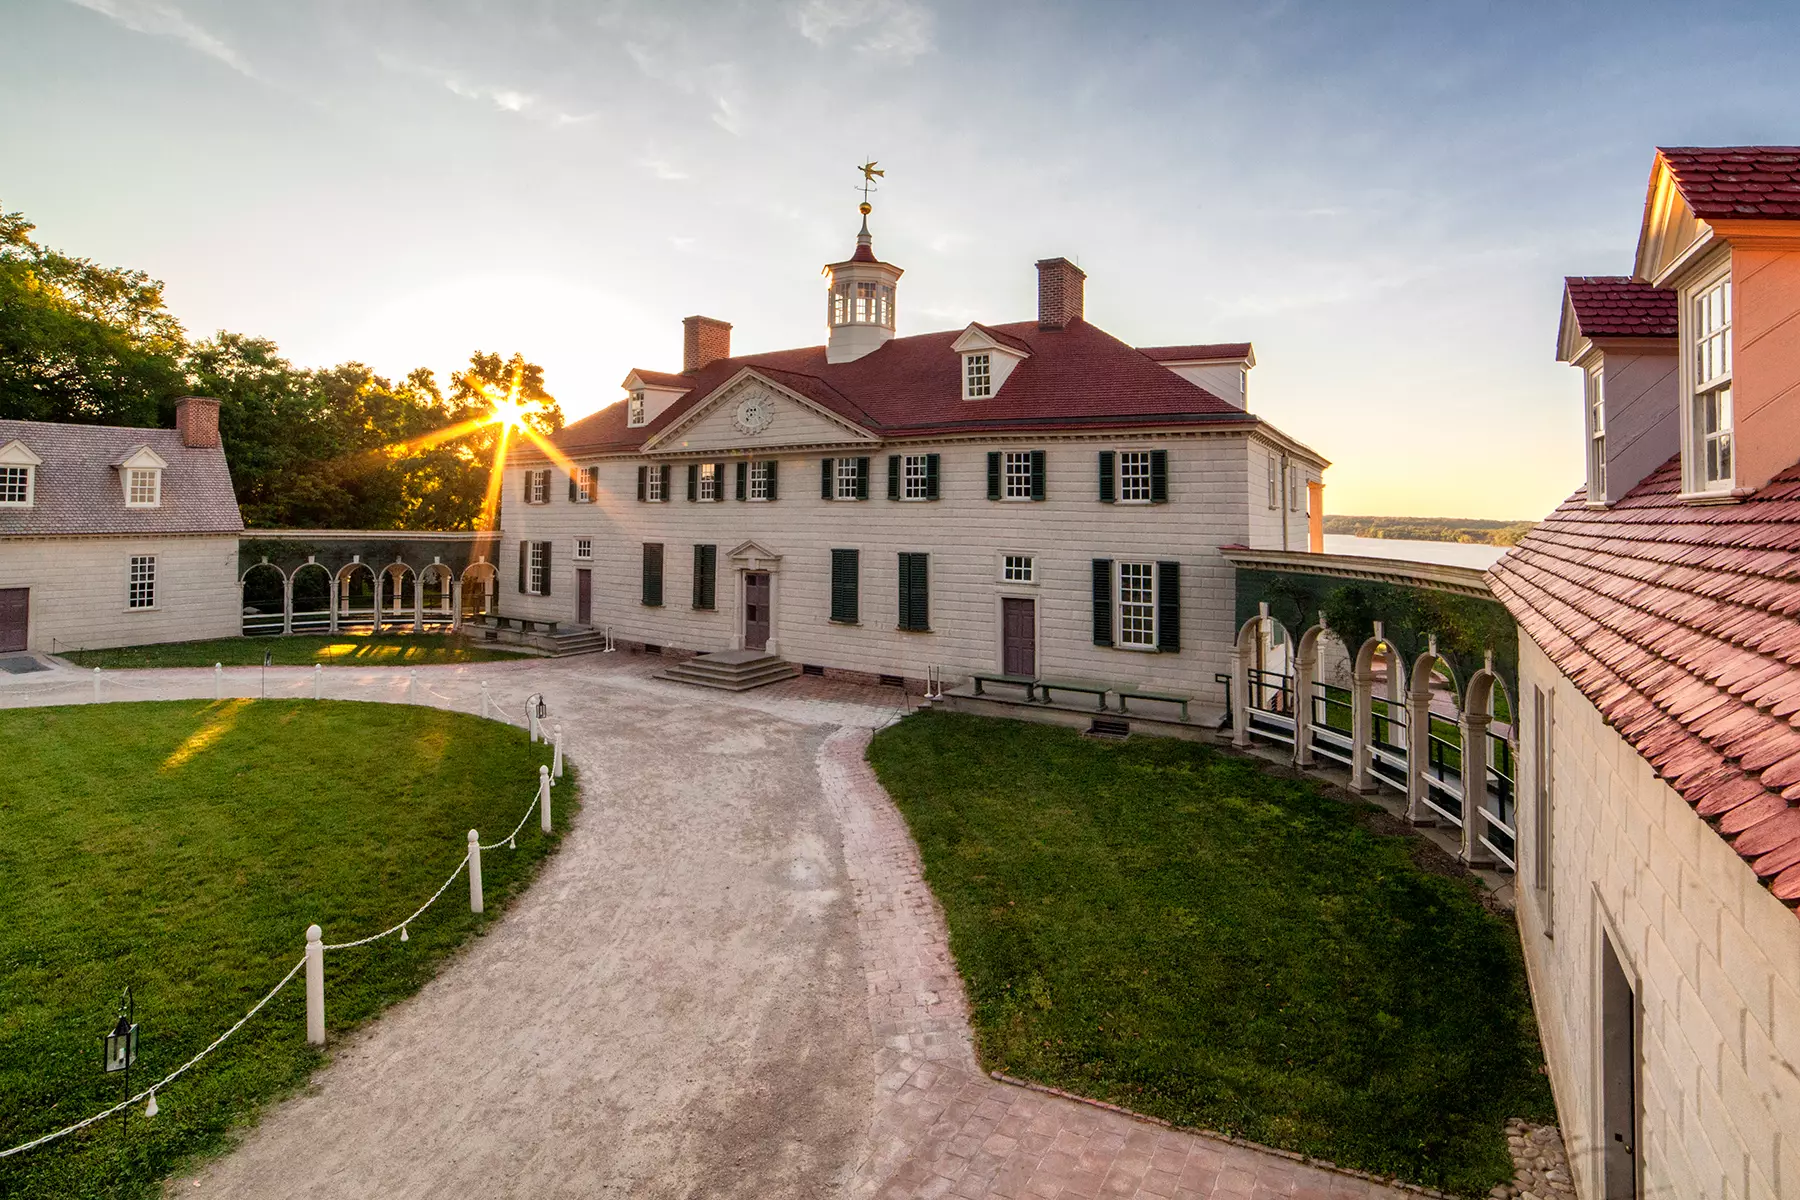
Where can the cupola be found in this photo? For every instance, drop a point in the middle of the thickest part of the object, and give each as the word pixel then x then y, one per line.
pixel 860 300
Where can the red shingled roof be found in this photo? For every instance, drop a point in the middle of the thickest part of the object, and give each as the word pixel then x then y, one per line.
pixel 1078 377
pixel 1679 624
pixel 1191 353
pixel 1737 181
pixel 1619 306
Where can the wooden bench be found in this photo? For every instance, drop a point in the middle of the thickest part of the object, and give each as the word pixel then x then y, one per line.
pixel 1028 682
pixel 1163 697
pixel 1096 690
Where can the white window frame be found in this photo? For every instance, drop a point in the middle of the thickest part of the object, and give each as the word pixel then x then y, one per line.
pixel 978 375
pixel 1134 465
pixel 584 549
pixel 133 477
pixel 634 410
pixel 140 583
pixel 1018 569
pixel 709 481
pixel 30 491
pixel 1706 373
pixel 1274 487
pixel 587 482
pixel 845 474
pixel 758 488
pixel 1594 397
pixel 1015 475
pixel 540 486
pixel 653 488
pixel 1136 616
pixel 534 568
pixel 915 477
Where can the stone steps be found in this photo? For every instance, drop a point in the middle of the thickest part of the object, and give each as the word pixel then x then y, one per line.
pixel 732 670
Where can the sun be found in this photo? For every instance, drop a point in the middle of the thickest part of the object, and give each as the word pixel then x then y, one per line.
pixel 504 410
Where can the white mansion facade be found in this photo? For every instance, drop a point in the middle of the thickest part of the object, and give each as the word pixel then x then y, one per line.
pixel 1036 498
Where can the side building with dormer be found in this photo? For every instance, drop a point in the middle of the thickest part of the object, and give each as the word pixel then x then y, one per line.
pixel 1034 498
pixel 115 536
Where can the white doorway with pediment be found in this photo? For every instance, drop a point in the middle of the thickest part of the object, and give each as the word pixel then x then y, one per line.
pixel 758 573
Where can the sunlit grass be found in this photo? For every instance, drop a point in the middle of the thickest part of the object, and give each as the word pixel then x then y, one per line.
pixel 300 650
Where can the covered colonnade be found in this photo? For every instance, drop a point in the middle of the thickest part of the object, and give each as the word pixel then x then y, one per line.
pixel 335 580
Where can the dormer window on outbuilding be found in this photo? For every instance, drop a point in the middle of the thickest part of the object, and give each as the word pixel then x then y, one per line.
pixel 140 477
pixel 1710 414
pixel 18 475
pixel 634 411
pixel 978 376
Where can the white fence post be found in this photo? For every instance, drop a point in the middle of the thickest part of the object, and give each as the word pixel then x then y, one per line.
pixel 96 685
pixel 315 986
pixel 412 687
pixel 530 719
pixel 218 681
pixel 318 681
pixel 484 698
pixel 474 872
pixel 556 766
pixel 544 799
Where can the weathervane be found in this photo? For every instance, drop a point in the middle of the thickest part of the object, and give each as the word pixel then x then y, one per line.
pixel 869 173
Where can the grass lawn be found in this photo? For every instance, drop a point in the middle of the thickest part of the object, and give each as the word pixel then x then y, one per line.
pixel 183 847
pixel 299 650
pixel 1180 931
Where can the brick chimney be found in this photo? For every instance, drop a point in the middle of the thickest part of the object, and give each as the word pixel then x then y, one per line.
pixel 197 420
pixel 1059 293
pixel 704 341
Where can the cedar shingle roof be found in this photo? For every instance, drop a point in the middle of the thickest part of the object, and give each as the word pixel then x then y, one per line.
pixel 1619 306
pixel 1737 181
pixel 1078 377
pixel 1682 625
pixel 1193 353
pixel 77 488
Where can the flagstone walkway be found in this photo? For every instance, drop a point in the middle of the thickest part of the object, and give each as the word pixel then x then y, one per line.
pixel 731 981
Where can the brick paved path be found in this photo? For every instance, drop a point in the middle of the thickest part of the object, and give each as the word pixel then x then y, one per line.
pixel 666 1038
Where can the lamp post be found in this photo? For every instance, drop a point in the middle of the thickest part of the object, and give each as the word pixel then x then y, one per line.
pixel 121 1051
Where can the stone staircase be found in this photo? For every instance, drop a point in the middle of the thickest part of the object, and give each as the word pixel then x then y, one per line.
pixel 574 641
pixel 732 670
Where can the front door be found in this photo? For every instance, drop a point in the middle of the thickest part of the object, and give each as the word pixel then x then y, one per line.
pixel 756 610
pixel 15 607
pixel 1618 1074
pixel 1018 636
pixel 584 596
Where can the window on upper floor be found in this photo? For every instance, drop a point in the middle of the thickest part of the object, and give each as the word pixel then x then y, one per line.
pixel 761 473
pixel 537 487
pixel 140 587
pixel 653 484
pixel 1018 568
pixel 1294 489
pixel 143 487
pixel 708 483
pixel 916 473
pixel 848 478
pixel 1595 385
pixel 634 409
pixel 1134 477
pixel 16 486
pixel 1018 475
pixel 1274 485
pixel 1710 405
pixel 978 376
pixel 584 549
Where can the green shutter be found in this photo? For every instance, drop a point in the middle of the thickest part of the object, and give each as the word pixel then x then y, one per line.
pixel 572 485
pixel 546 546
pixel 705 563
pixel 845 565
pixel 1103 602
pixel 826 490
pixel 1168 607
pixel 1037 474
pixel 862 479
pixel 915 592
pixel 772 465
pixel 743 480
pixel 993 474
pixel 665 482
pixel 1159 477
pixel 893 477
pixel 526 476
pixel 931 477
pixel 524 566
pixel 1106 477
pixel 643 482
pixel 693 482
pixel 653 574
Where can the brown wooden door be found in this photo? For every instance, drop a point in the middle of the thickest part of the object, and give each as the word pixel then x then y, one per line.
pixel 15 609
pixel 1618 1076
pixel 1018 636
pixel 584 596
pixel 756 610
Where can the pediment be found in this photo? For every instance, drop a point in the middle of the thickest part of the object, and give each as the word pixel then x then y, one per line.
pixel 17 454
pixel 1571 343
pixel 753 555
pixel 142 457
pixel 1671 234
pixel 978 338
pixel 752 412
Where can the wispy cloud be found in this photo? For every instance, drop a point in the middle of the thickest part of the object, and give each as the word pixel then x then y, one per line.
pixel 166 20
pixel 898 28
pixel 662 168
pixel 504 99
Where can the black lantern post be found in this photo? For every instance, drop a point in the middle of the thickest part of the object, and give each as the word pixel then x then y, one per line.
pixel 122 1050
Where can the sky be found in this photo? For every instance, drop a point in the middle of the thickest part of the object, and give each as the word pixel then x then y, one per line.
pixel 1384 198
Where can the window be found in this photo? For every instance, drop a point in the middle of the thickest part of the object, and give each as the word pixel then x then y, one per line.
pixel 634 410
pixel 539 569
pixel 1543 733
pixel 1596 423
pixel 15 486
pixel 1137 605
pixel 537 487
pixel 653 574
pixel 140 592
pixel 915 592
pixel 1274 487
pixel 709 481
pixel 845 586
pixel 1017 568
pixel 584 549
pixel 886 314
pixel 1134 477
pixel 653 484
pixel 1711 418
pixel 583 485
pixel 762 476
pixel 978 376
pixel 848 479
pixel 917 477
pixel 1018 475
pixel 143 487
pixel 1295 479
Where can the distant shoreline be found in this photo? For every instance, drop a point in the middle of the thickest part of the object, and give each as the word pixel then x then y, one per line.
pixel 1430 529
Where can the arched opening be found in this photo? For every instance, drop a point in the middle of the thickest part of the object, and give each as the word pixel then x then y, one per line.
pixel 480 590
pixel 264 590
pixel 356 597
pixel 1433 708
pixel 1266 692
pixel 1378 716
pixel 1323 680
pixel 311 585
pixel 1492 834
pixel 436 609
pixel 397 596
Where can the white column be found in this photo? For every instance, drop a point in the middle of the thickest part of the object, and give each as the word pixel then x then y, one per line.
pixel 375 626
pixel 1362 709
pixel 332 601
pixel 474 872
pixel 1418 754
pixel 1240 692
pixel 287 604
pixel 315 986
pixel 737 620
pixel 1475 787
pixel 556 768
pixel 455 605
pixel 1306 670
pixel 418 602
pixel 774 646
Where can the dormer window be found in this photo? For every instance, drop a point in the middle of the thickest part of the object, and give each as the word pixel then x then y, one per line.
pixel 1596 423
pixel 978 376
pixel 1711 404
pixel 18 475
pixel 143 487
pixel 634 409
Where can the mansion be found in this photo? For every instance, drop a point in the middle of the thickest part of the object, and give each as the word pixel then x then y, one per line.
pixel 1034 498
